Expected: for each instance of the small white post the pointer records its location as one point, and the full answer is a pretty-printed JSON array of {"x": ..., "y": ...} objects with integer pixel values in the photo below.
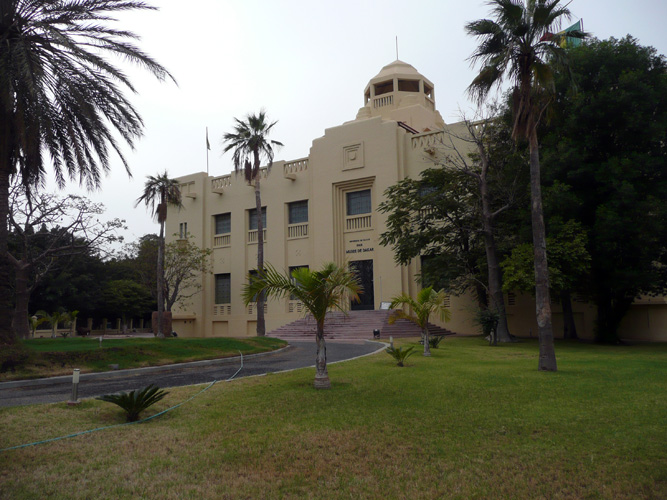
[{"x": 75, "y": 388}]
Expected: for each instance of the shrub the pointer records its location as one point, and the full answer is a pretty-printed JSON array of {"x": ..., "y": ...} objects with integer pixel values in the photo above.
[
  {"x": 434, "y": 341},
  {"x": 134, "y": 402},
  {"x": 13, "y": 357},
  {"x": 400, "y": 354}
]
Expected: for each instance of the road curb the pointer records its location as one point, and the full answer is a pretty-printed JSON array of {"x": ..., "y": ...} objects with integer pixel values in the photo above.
[{"x": 114, "y": 374}]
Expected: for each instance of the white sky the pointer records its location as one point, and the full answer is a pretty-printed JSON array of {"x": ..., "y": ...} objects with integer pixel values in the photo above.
[{"x": 307, "y": 63}]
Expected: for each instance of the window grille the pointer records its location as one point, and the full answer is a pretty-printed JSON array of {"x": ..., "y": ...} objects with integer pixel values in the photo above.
[{"x": 359, "y": 202}]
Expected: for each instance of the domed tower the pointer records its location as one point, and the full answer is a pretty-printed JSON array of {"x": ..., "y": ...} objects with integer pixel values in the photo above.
[{"x": 399, "y": 92}]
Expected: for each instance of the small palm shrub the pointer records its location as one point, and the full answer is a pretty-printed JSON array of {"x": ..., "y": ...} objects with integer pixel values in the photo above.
[
  {"x": 435, "y": 340},
  {"x": 134, "y": 402},
  {"x": 400, "y": 354}
]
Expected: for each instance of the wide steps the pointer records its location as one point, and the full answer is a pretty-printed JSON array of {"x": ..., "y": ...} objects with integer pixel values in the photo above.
[{"x": 355, "y": 325}]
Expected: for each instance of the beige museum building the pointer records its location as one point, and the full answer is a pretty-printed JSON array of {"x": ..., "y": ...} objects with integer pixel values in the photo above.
[{"x": 323, "y": 208}]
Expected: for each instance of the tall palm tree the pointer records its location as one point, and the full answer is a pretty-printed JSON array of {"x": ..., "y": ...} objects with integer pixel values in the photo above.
[
  {"x": 319, "y": 291},
  {"x": 428, "y": 302},
  {"x": 251, "y": 145},
  {"x": 60, "y": 93},
  {"x": 159, "y": 192},
  {"x": 520, "y": 45}
]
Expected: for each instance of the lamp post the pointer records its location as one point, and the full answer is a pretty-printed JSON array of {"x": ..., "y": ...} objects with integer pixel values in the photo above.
[{"x": 75, "y": 388}]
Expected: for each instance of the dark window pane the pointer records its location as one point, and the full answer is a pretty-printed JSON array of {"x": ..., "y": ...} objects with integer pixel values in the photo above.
[
  {"x": 252, "y": 219},
  {"x": 223, "y": 289},
  {"x": 223, "y": 223},
  {"x": 291, "y": 270},
  {"x": 384, "y": 87},
  {"x": 298, "y": 212},
  {"x": 408, "y": 85},
  {"x": 359, "y": 202}
]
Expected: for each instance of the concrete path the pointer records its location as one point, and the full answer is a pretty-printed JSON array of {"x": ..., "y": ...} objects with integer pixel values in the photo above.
[{"x": 296, "y": 355}]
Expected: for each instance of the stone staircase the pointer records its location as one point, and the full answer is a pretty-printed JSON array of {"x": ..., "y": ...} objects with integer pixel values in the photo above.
[{"x": 353, "y": 326}]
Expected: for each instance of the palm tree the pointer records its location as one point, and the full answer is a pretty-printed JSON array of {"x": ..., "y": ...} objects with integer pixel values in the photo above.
[
  {"x": 59, "y": 93},
  {"x": 250, "y": 144},
  {"x": 520, "y": 45},
  {"x": 428, "y": 302},
  {"x": 319, "y": 291},
  {"x": 159, "y": 192}
]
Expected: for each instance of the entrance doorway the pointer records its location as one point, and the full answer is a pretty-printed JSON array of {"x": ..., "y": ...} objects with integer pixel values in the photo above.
[{"x": 363, "y": 270}]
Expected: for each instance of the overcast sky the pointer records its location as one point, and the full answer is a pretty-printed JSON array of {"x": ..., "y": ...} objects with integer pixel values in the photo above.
[{"x": 306, "y": 62}]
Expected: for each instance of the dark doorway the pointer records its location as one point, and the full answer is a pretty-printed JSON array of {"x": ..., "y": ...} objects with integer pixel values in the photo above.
[{"x": 363, "y": 269}]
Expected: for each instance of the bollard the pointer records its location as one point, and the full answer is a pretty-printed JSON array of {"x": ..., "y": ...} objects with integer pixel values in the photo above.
[
  {"x": 391, "y": 341},
  {"x": 100, "y": 341},
  {"x": 75, "y": 388}
]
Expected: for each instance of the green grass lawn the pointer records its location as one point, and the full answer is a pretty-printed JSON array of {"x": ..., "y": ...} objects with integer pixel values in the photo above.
[
  {"x": 48, "y": 357},
  {"x": 472, "y": 421}
]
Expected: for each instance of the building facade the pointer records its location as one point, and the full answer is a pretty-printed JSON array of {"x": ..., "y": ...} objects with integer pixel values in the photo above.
[{"x": 324, "y": 208}]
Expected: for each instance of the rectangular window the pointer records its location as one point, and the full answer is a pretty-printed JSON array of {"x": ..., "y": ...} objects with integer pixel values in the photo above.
[
  {"x": 291, "y": 270},
  {"x": 252, "y": 219},
  {"x": 252, "y": 277},
  {"x": 298, "y": 212},
  {"x": 359, "y": 202},
  {"x": 408, "y": 85},
  {"x": 183, "y": 230},
  {"x": 223, "y": 288},
  {"x": 223, "y": 223}
]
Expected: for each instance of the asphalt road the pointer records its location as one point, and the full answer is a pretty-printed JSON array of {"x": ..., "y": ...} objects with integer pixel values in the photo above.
[{"x": 57, "y": 389}]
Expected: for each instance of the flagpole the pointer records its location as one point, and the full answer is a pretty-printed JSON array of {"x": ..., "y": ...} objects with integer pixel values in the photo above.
[{"x": 208, "y": 148}]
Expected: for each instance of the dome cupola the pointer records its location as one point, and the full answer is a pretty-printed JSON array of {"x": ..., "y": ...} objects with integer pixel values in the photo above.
[{"x": 399, "y": 92}]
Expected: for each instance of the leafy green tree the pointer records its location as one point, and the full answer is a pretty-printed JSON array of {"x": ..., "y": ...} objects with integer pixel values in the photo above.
[
  {"x": 60, "y": 93},
  {"x": 451, "y": 213},
  {"x": 250, "y": 144},
  {"x": 159, "y": 192},
  {"x": 127, "y": 299},
  {"x": 432, "y": 217},
  {"x": 569, "y": 263},
  {"x": 327, "y": 288},
  {"x": 428, "y": 302},
  {"x": 606, "y": 145},
  {"x": 186, "y": 265},
  {"x": 519, "y": 45},
  {"x": 46, "y": 228},
  {"x": 142, "y": 256}
]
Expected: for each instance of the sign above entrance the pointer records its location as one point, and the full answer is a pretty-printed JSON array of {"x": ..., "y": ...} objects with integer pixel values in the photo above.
[{"x": 359, "y": 246}]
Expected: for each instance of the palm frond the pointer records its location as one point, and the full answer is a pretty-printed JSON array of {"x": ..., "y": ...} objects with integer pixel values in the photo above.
[{"x": 65, "y": 93}]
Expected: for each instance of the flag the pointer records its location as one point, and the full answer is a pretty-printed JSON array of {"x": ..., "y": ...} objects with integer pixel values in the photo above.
[
  {"x": 208, "y": 144},
  {"x": 569, "y": 41}
]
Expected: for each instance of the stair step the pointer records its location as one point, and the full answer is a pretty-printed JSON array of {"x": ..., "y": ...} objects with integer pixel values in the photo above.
[{"x": 355, "y": 325}]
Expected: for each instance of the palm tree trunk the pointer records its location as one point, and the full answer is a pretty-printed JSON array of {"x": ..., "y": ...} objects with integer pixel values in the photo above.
[
  {"x": 261, "y": 325},
  {"x": 20, "y": 321},
  {"x": 7, "y": 335},
  {"x": 160, "y": 282},
  {"x": 547, "y": 357},
  {"x": 427, "y": 346},
  {"x": 321, "y": 375}
]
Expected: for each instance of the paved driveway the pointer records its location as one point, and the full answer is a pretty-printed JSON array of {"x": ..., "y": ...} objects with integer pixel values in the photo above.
[{"x": 56, "y": 389}]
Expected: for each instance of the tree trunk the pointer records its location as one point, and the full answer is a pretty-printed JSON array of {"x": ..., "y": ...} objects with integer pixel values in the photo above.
[
  {"x": 261, "y": 325},
  {"x": 160, "y": 283},
  {"x": 569, "y": 327},
  {"x": 493, "y": 266},
  {"x": 321, "y": 375},
  {"x": 482, "y": 299},
  {"x": 547, "y": 357},
  {"x": 427, "y": 346},
  {"x": 20, "y": 322},
  {"x": 610, "y": 312},
  {"x": 7, "y": 335}
]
